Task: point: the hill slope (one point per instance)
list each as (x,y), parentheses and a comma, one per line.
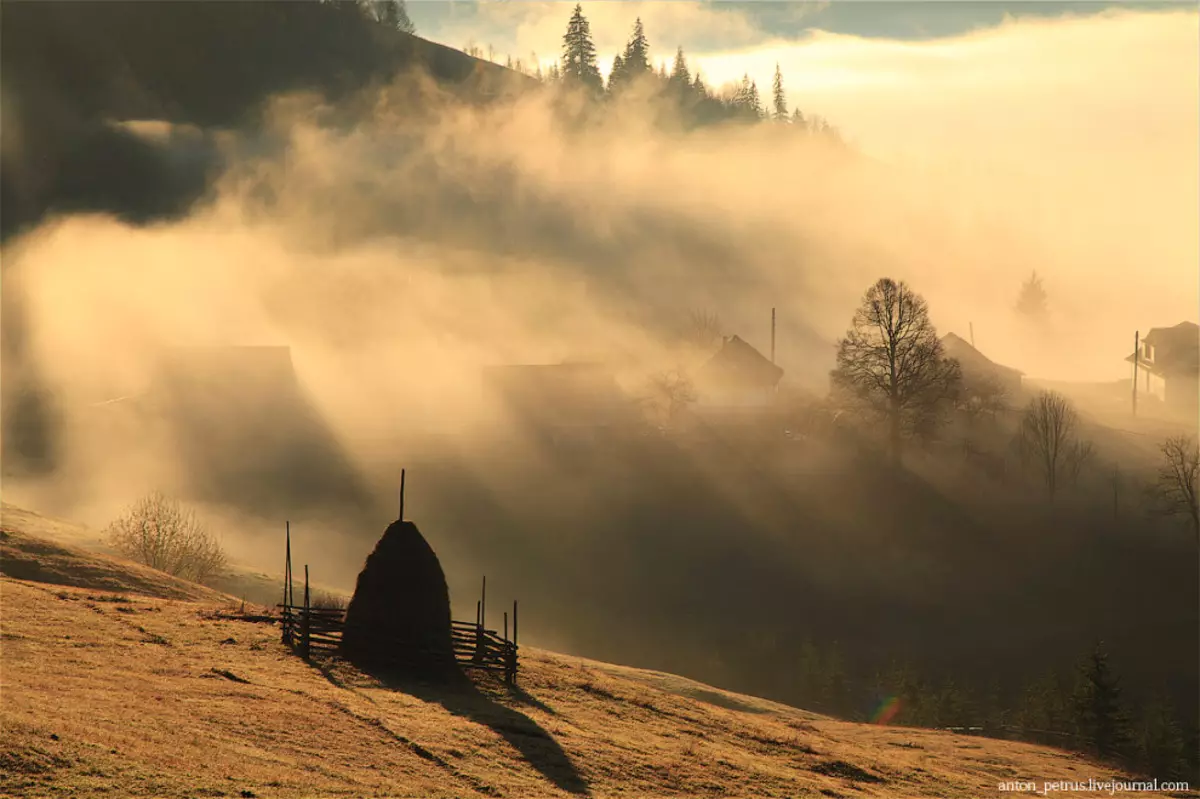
(107,693)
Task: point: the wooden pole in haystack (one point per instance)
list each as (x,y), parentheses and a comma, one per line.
(483,604)
(307,627)
(506,625)
(401,495)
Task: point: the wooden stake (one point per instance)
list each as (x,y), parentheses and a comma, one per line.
(506,625)
(1136,337)
(772,335)
(286,621)
(483,604)
(514,622)
(307,629)
(971,325)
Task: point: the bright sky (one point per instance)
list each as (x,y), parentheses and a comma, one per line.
(898,76)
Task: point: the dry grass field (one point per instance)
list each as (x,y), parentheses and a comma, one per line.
(118,685)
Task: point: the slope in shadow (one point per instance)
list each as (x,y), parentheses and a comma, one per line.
(463,698)
(538,747)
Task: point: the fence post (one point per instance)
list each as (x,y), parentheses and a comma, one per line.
(287,582)
(306,629)
(514,643)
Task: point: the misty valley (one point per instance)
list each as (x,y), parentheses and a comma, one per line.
(833,441)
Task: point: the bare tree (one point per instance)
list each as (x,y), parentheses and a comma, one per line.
(891,363)
(703,329)
(1048,440)
(1175,489)
(160,533)
(983,397)
(672,392)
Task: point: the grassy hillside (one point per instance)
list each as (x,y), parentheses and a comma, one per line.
(127,693)
(41,548)
(25,556)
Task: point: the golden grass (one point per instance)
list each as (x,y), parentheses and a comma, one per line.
(116,694)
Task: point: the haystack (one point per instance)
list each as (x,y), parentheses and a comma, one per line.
(399,618)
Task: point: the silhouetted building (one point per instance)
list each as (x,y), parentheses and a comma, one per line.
(565,400)
(245,432)
(737,376)
(1168,361)
(398,620)
(979,371)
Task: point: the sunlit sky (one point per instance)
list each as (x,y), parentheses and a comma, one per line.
(894,76)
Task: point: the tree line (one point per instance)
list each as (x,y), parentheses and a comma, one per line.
(633,74)
(1083,708)
(389,13)
(892,369)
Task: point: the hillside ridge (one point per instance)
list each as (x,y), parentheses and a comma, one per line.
(120,692)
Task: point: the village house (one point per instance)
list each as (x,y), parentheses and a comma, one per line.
(980,373)
(737,377)
(1167,366)
(572,400)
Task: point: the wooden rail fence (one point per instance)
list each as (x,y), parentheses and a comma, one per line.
(310,631)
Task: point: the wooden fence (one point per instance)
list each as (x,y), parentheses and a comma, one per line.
(313,631)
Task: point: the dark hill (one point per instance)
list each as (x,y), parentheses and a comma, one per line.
(70,66)
(70,70)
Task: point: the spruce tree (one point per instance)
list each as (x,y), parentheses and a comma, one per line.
(799,121)
(1099,718)
(637,52)
(679,70)
(778,96)
(579,54)
(617,76)
(1160,746)
(1031,302)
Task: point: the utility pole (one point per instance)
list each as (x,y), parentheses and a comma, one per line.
(1136,337)
(772,335)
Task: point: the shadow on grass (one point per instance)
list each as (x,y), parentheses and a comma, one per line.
(462,697)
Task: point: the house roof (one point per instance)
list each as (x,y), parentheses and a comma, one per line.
(558,389)
(971,359)
(739,364)
(1176,350)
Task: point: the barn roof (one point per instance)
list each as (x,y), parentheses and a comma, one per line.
(739,364)
(971,359)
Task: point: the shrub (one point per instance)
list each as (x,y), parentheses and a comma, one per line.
(327,600)
(160,533)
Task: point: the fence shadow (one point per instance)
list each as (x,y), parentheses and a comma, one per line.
(464,699)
